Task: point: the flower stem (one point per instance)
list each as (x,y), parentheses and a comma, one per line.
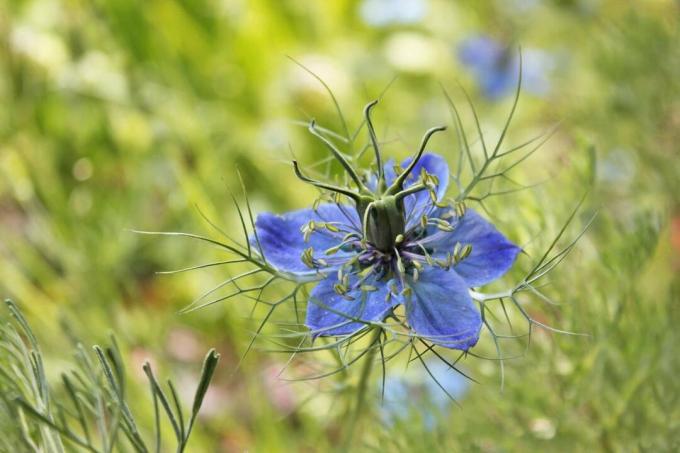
(362,386)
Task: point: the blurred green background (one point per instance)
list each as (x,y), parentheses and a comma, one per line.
(120,114)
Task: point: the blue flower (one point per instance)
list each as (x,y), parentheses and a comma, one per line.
(428,394)
(496,67)
(398,243)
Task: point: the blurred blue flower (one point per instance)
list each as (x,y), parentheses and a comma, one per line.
(417,389)
(399,244)
(496,67)
(380,13)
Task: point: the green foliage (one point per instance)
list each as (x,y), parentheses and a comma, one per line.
(92,412)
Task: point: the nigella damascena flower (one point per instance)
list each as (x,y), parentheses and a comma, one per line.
(398,242)
(496,67)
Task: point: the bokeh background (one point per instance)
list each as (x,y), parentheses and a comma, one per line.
(121,114)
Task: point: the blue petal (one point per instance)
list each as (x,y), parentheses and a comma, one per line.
(481,53)
(497,83)
(283,243)
(329,313)
(441,310)
(495,70)
(416,205)
(433,164)
(492,253)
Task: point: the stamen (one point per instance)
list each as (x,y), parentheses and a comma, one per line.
(307,229)
(331,227)
(400,264)
(342,290)
(336,249)
(428,258)
(308,258)
(460,208)
(442,225)
(464,253)
(439,204)
(368,288)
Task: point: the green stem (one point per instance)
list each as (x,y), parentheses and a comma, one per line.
(362,386)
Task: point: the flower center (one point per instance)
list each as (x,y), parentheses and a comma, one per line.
(384,222)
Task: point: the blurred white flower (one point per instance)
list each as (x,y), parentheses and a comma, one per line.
(43,48)
(98,74)
(332,74)
(412,52)
(543,428)
(380,13)
(617,168)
